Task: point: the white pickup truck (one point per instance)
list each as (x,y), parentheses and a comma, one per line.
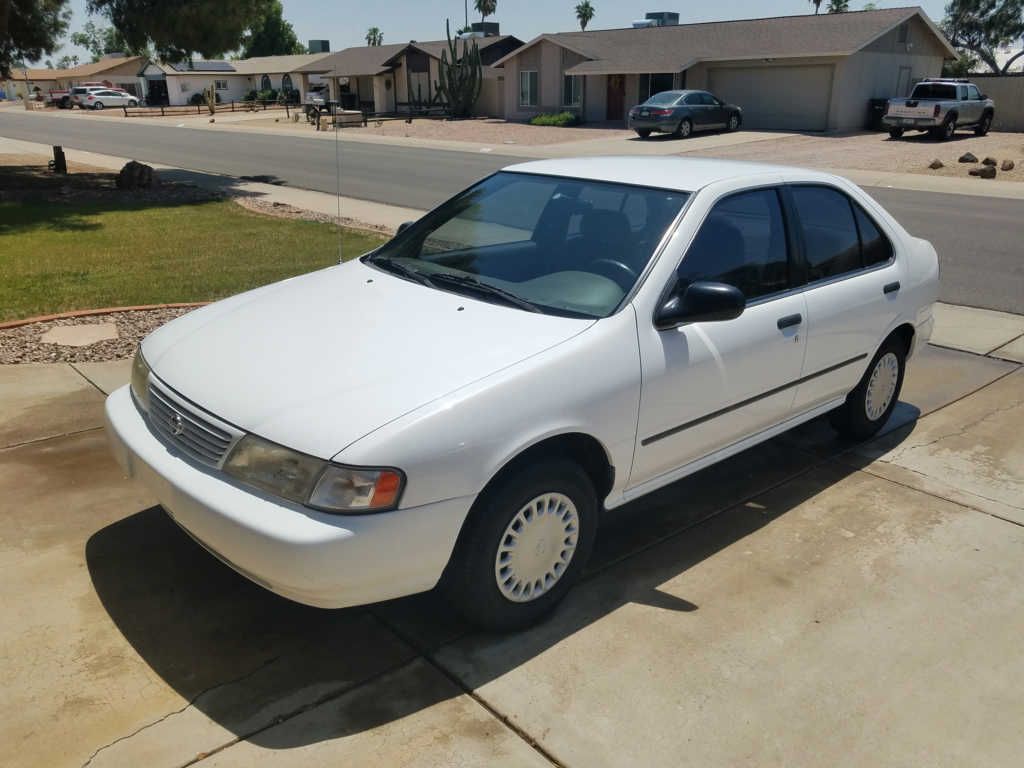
(940,106)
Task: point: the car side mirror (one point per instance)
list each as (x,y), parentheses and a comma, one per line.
(404,226)
(983,97)
(700,302)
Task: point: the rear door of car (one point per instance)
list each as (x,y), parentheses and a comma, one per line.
(852,286)
(707,385)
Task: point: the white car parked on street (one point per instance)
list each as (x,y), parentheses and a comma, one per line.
(458,406)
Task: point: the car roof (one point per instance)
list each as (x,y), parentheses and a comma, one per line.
(684,174)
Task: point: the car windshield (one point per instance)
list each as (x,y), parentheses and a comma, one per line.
(663,99)
(934,91)
(561,246)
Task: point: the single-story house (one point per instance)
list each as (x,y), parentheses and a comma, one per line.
(176,84)
(112,70)
(813,72)
(400,77)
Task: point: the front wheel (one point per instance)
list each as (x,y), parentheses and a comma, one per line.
(733,124)
(98,105)
(526,542)
(643,133)
(870,404)
(895,133)
(684,129)
(983,127)
(133,104)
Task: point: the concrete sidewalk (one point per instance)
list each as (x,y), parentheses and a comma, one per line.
(857,607)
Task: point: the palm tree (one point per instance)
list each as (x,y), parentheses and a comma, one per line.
(374,36)
(816,4)
(584,13)
(485,8)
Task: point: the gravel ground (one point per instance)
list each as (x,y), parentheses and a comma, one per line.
(877,152)
(285,211)
(22,345)
(477,131)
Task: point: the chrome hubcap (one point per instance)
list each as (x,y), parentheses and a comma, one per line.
(537,547)
(684,129)
(881,386)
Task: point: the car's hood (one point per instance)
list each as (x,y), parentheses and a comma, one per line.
(320,360)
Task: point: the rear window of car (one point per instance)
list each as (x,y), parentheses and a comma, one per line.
(665,99)
(934,91)
(78,90)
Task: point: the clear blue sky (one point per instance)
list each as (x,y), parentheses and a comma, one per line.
(345,22)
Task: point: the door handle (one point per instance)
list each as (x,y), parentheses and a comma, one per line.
(789,321)
(891,287)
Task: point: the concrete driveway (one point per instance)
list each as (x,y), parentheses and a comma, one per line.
(805,603)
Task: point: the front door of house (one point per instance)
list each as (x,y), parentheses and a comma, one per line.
(156,92)
(616,97)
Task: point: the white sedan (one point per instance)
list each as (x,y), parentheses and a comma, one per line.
(458,406)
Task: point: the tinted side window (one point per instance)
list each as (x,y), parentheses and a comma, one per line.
(831,245)
(875,247)
(692,99)
(742,243)
(708,99)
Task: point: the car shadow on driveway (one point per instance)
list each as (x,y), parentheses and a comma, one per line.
(282,675)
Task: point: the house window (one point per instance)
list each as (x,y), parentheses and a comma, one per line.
(528,89)
(184,86)
(265,83)
(220,85)
(572,90)
(286,83)
(903,33)
(652,84)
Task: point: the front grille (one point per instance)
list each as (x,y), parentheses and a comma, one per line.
(183,427)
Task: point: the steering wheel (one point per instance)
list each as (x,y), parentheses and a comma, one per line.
(621,273)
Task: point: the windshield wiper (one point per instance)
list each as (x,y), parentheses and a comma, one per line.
(486,288)
(400,269)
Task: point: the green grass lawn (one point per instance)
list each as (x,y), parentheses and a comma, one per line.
(56,257)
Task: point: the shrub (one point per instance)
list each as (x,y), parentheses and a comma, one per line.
(198,99)
(250,96)
(268,95)
(558,119)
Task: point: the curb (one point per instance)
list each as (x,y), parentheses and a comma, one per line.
(103,311)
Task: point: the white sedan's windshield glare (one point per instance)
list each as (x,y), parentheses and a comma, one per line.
(566,246)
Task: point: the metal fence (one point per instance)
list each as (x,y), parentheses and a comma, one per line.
(199,109)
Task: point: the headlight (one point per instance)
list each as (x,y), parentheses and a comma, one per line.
(140,379)
(312,481)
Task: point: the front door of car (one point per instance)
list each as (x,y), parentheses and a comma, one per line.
(716,111)
(707,385)
(696,110)
(852,292)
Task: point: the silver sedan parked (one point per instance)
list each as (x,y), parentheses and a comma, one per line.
(109,98)
(683,112)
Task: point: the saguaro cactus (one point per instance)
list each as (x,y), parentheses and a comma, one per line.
(461,75)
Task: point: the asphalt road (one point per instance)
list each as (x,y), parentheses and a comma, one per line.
(978,238)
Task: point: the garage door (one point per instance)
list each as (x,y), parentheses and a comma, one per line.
(781,98)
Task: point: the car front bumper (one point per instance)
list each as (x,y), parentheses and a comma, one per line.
(315,558)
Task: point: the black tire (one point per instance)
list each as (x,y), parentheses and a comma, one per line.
(684,130)
(851,419)
(98,105)
(643,133)
(471,581)
(945,131)
(133,104)
(983,127)
(895,133)
(733,123)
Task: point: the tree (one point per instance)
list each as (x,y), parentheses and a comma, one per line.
(177,29)
(29,30)
(838,6)
(962,67)
(870,7)
(485,8)
(982,26)
(374,36)
(99,41)
(584,13)
(817,5)
(67,62)
(271,35)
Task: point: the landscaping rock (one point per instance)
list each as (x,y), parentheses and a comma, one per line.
(967,157)
(135,175)
(936,164)
(989,161)
(1007,165)
(985,172)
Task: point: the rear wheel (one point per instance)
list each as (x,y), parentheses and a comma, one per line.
(895,133)
(946,131)
(870,404)
(983,126)
(525,544)
(684,129)
(643,133)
